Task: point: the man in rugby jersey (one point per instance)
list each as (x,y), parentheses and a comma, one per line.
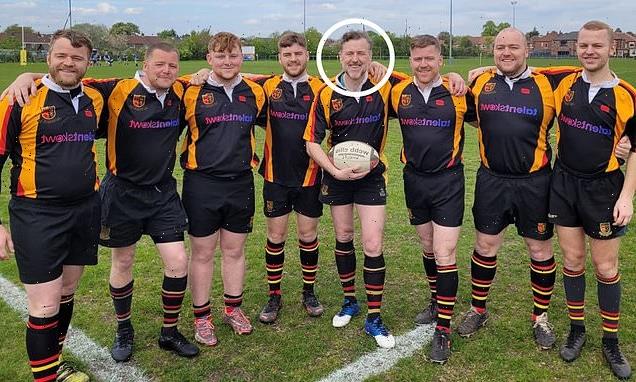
(218,186)
(515,108)
(54,208)
(432,129)
(589,195)
(139,194)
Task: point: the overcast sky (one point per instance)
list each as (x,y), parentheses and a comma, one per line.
(263,17)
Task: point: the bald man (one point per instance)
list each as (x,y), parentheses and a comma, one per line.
(515,109)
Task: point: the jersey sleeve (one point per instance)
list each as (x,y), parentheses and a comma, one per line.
(10,126)
(104,86)
(556,74)
(630,132)
(471,109)
(317,124)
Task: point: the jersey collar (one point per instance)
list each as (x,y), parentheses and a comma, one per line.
(161,97)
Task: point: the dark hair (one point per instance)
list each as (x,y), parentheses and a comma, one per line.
(355,35)
(77,39)
(163,46)
(289,38)
(422,41)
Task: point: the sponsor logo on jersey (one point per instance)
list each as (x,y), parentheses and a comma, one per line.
(605,108)
(439,102)
(525,91)
(88,113)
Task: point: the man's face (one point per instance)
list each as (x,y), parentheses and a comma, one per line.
(67,65)
(293,59)
(510,52)
(226,65)
(161,69)
(425,64)
(593,49)
(355,58)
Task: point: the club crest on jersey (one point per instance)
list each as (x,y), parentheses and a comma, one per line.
(48,112)
(541,228)
(207,99)
(138,100)
(569,96)
(336,104)
(277,94)
(605,229)
(489,87)
(405,100)
(270,206)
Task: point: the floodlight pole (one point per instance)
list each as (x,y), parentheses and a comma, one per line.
(70,15)
(450,44)
(513,3)
(304,16)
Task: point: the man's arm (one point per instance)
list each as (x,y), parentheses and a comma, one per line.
(22,88)
(624,207)
(10,128)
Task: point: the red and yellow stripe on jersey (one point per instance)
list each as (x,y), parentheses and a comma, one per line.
(220,139)
(51,146)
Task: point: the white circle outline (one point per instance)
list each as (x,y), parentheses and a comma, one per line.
(326,79)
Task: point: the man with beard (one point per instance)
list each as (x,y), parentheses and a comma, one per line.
(139,194)
(432,122)
(54,209)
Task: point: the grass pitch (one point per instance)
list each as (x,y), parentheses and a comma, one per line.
(300,348)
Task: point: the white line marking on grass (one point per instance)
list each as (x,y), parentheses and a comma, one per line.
(96,357)
(382,360)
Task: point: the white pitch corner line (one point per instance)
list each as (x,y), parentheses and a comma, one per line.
(382,360)
(97,358)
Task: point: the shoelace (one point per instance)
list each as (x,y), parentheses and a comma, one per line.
(615,354)
(379,325)
(311,300)
(240,317)
(573,337)
(272,304)
(204,327)
(125,337)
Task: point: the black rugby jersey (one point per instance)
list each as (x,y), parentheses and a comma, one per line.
(285,160)
(433,131)
(141,134)
(514,124)
(588,132)
(51,146)
(348,119)
(220,138)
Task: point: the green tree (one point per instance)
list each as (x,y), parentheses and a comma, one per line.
(194,46)
(128,29)
(98,34)
(491,29)
(313,37)
(533,33)
(168,34)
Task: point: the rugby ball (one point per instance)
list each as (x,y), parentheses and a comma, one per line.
(354,154)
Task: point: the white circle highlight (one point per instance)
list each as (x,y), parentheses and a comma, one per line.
(329,32)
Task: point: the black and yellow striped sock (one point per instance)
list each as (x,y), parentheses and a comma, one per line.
(609,302)
(309,262)
(122,301)
(430,270)
(447,283)
(274,260)
(574,285)
(346,265)
(374,274)
(172,292)
(43,347)
(66,312)
(482,272)
(542,278)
